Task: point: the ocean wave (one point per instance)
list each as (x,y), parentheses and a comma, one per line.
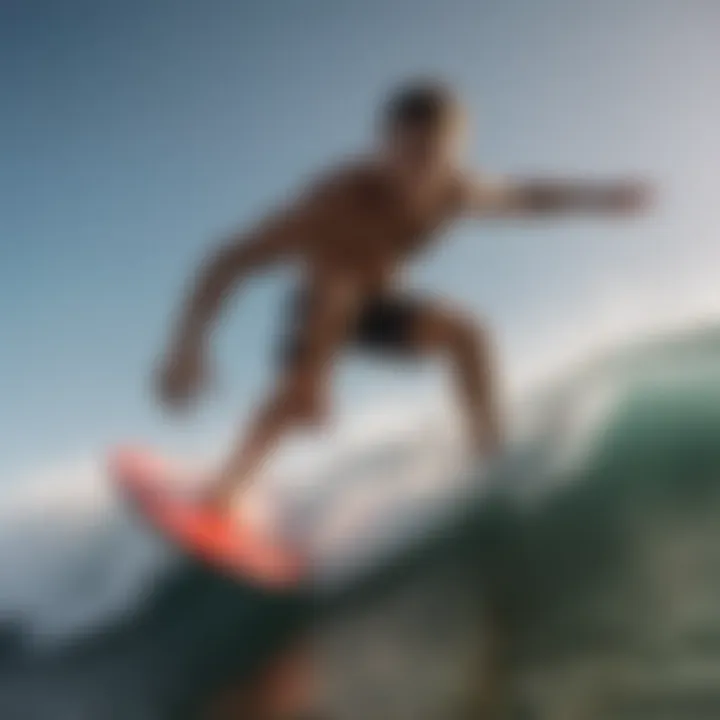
(599,526)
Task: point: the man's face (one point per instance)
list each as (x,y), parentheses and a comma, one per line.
(422,148)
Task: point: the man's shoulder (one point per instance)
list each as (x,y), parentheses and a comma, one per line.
(348,178)
(477,189)
(469,180)
(336,189)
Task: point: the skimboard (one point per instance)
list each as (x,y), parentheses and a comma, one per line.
(150,483)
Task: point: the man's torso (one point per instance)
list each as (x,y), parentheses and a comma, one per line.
(376,224)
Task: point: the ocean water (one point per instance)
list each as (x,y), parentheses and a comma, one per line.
(600,547)
(595,539)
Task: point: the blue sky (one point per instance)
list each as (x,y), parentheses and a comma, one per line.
(134,134)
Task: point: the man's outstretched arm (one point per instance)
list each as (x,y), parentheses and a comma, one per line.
(538,197)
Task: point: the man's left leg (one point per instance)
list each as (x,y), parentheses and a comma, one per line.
(466,343)
(407,325)
(443,330)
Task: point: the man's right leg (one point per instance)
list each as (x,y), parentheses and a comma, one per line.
(282,412)
(438,328)
(300,397)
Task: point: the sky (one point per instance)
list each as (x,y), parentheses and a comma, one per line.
(134,135)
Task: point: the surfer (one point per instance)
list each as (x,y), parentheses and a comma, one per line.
(350,234)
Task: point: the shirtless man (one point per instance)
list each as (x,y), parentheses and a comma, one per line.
(350,234)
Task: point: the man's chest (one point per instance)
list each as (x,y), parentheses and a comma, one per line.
(394,224)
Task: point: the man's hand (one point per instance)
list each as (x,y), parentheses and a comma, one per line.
(628,198)
(180,376)
(620,197)
(529,198)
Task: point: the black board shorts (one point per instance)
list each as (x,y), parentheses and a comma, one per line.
(385,324)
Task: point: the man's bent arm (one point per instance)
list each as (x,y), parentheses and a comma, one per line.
(287,235)
(226,267)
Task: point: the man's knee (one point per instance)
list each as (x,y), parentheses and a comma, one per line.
(470,337)
(304,400)
(461,335)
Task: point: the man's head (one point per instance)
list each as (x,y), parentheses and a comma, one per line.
(423,126)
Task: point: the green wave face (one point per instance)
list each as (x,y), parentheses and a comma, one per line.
(623,618)
(601,548)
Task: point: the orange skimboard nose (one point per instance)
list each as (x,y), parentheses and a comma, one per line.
(217,539)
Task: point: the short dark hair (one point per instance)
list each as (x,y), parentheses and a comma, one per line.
(421,103)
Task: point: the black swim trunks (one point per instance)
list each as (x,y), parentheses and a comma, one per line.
(385,324)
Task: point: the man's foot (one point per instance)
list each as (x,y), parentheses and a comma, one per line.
(243,511)
(487,444)
(217,501)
